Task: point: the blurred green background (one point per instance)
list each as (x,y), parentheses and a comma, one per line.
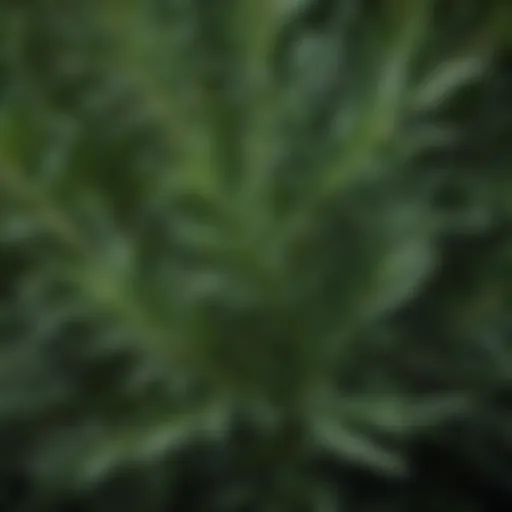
(255,255)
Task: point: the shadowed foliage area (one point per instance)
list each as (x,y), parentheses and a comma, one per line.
(255,255)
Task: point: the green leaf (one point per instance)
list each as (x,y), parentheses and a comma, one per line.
(355,448)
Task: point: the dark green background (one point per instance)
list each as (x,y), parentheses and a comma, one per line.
(255,255)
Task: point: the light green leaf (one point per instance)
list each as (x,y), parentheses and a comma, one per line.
(446,80)
(355,448)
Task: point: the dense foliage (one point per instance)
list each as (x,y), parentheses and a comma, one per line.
(255,255)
